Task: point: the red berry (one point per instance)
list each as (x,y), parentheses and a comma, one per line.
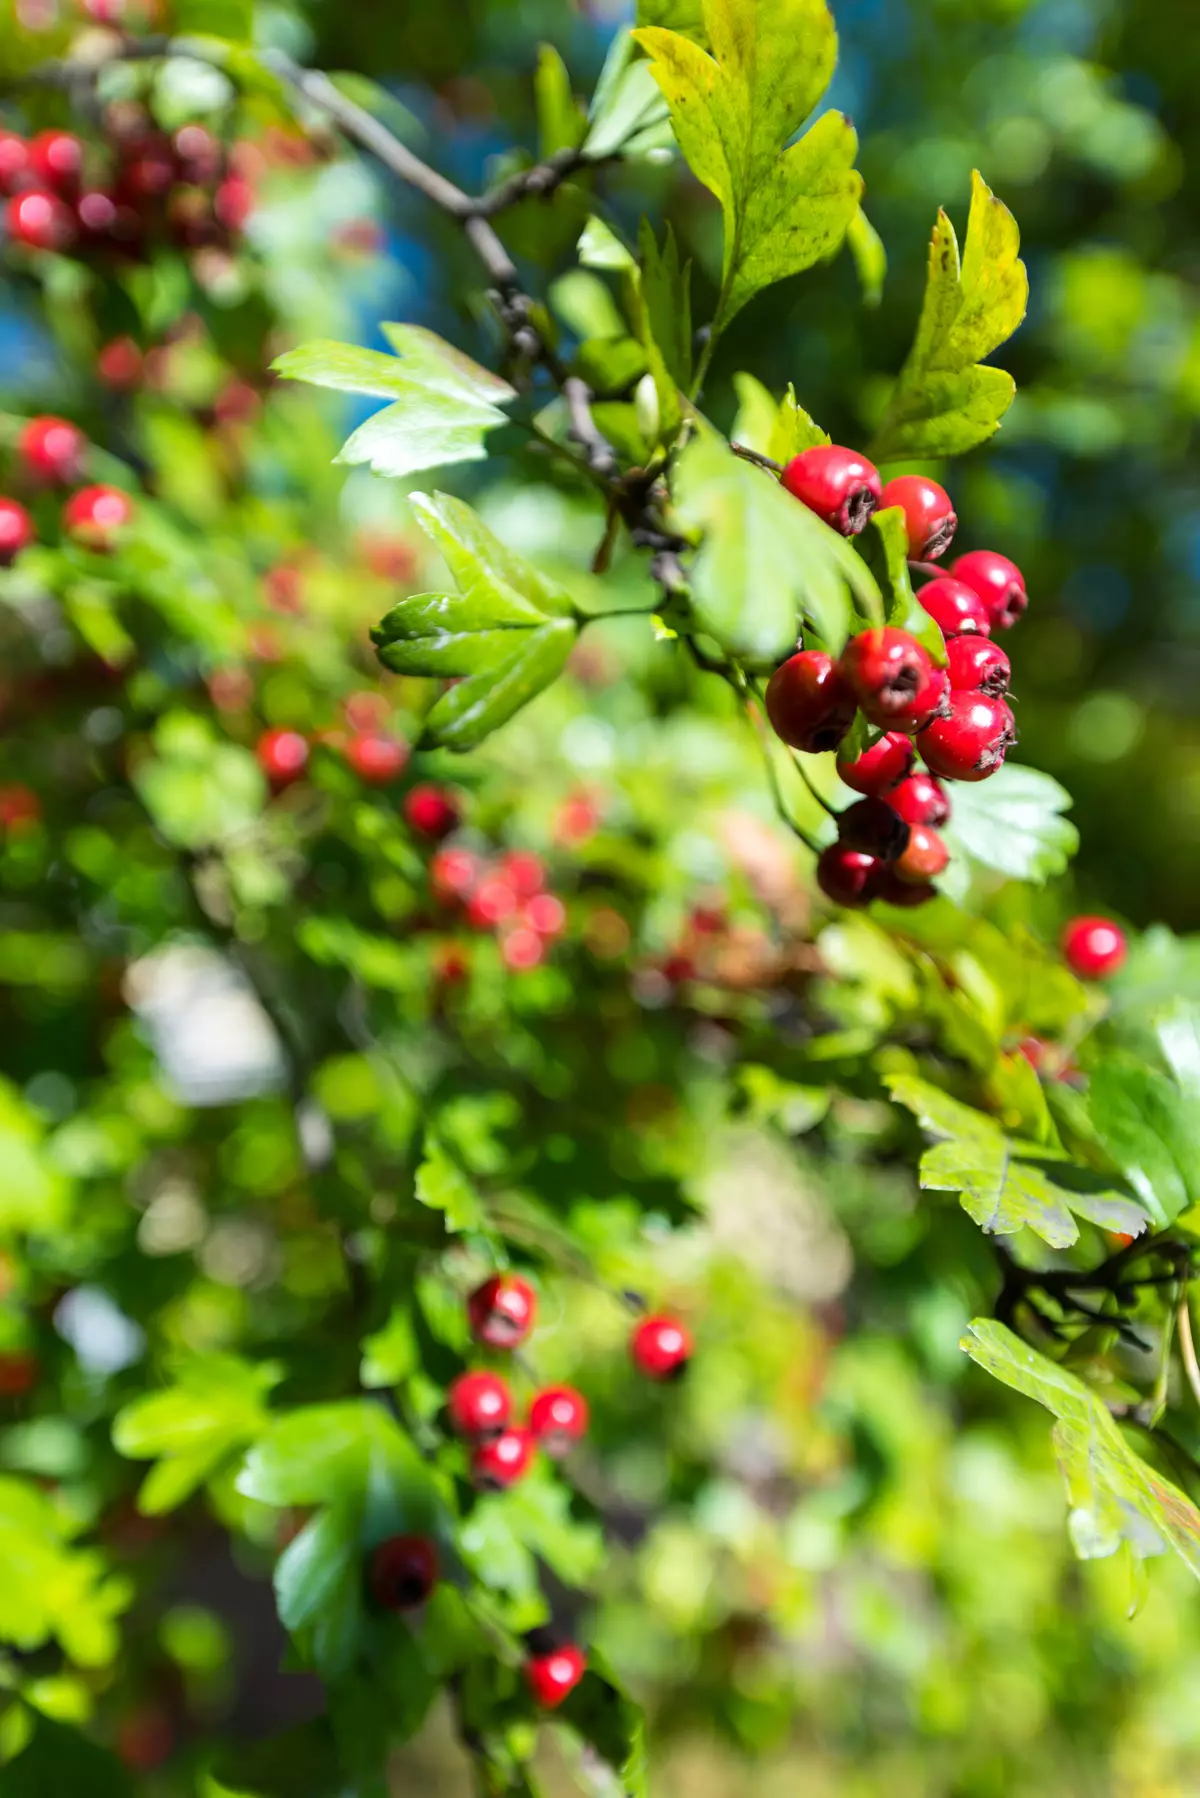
(558,1418)
(522,948)
(546,914)
(199,154)
(928,514)
(888,670)
(972,742)
(431,810)
(404,1571)
(924,857)
(552,1677)
(94,515)
(282,755)
(837,484)
(119,364)
(661,1347)
(523,871)
(881,767)
(479,1404)
(19,1373)
(847,876)
(908,893)
(933,701)
(233,202)
(503,1460)
(920,800)
(16,530)
(454,873)
(955,606)
(501,1311)
(492,902)
(105,220)
(20,807)
(56,161)
(149,175)
(871,827)
(998,582)
(14,162)
(976,665)
(52,450)
(810,704)
(1094,947)
(40,220)
(377,759)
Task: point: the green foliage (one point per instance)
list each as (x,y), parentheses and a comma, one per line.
(54,1591)
(1013,823)
(193,1428)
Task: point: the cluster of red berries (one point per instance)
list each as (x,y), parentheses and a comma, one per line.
(50,453)
(141,184)
(507,895)
(957,717)
(375,756)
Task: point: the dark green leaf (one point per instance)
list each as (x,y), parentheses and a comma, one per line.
(667,306)
(1149,1128)
(561,120)
(870,257)
(60,1763)
(299,1763)
(443,1186)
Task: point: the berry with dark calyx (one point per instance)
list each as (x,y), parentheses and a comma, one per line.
(972,741)
(881,767)
(95,515)
(933,701)
(928,515)
(1094,947)
(924,858)
(888,669)
(501,1312)
(56,161)
(16,530)
(837,484)
(403,1573)
(14,162)
(998,582)
(955,607)
(661,1347)
(976,665)
(810,704)
(892,890)
(503,1460)
(920,800)
(282,756)
(872,828)
(377,758)
(847,876)
(40,220)
(479,1405)
(558,1418)
(431,810)
(554,1676)
(51,450)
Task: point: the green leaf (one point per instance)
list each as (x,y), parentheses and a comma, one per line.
(734,111)
(60,1763)
(502,638)
(781,430)
(318,1585)
(51,1589)
(561,120)
(1013,822)
(870,257)
(232,19)
(1149,1128)
(600,247)
(884,546)
(676,15)
(666,314)
(302,1762)
(34,1196)
(1114,1496)
(443,403)
(944,402)
(628,113)
(443,1186)
(216,1406)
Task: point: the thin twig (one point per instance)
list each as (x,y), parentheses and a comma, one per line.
(749,455)
(538,182)
(598,450)
(1187,1346)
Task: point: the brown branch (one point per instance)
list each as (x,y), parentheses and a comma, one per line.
(748,455)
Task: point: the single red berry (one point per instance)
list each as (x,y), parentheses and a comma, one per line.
(892,890)
(403,1572)
(433,811)
(56,161)
(924,857)
(888,670)
(928,514)
(932,701)
(14,162)
(19,1373)
(492,902)
(145,1739)
(558,1418)
(95,515)
(553,1677)
(16,530)
(661,1347)
(522,948)
(40,220)
(501,1312)
(502,1461)
(920,800)
(454,873)
(837,484)
(871,827)
(119,364)
(106,220)
(976,665)
(51,450)
(998,582)
(847,876)
(150,173)
(1094,947)
(972,742)
(377,758)
(523,871)
(546,914)
(479,1404)
(233,202)
(1034,1051)
(20,807)
(810,703)
(199,154)
(956,607)
(881,767)
(282,756)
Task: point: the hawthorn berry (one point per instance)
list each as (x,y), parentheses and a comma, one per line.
(51,450)
(523,871)
(1094,947)
(479,1405)
(893,890)
(972,741)
(847,876)
(431,810)
(19,1373)
(503,1460)
(94,515)
(976,665)
(932,701)
(492,902)
(501,1312)
(377,758)
(924,856)
(998,582)
(928,514)
(40,220)
(661,1347)
(871,827)
(522,948)
(233,202)
(955,607)
(119,364)
(282,756)
(199,154)
(546,914)
(403,1572)
(810,704)
(16,530)
(920,799)
(558,1418)
(56,161)
(881,767)
(554,1676)
(20,807)
(888,670)
(454,873)
(837,484)
(14,162)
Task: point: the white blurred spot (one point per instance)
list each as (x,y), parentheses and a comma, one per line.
(213,1040)
(104,1339)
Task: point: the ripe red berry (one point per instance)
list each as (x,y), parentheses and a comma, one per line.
(552,1677)
(888,670)
(523,872)
(932,701)
(976,665)
(871,827)
(56,161)
(847,876)
(1094,947)
(403,1572)
(119,364)
(199,154)
(924,857)
(809,702)
(479,1405)
(881,767)
(501,1311)
(920,800)
(20,809)
(14,162)
(661,1347)
(546,914)
(95,515)
(282,755)
(51,450)
(892,890)
(454,873)
(558,1418)
(837,484)
(522,948)
(928,514)
(433,811)
(956,607)
(19,1373)
(16,530)
(998,582)
(492,902)
(502,1461)
(377,758)
(233,202)
(40,220)
(105,220)
(972,742)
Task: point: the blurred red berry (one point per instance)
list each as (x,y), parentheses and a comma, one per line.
(431,810)
(454,873)
(553,1677)
(522,948)
(558,1418)
(920,799)
(479,1405)
(56,161)
(20,807)
(16,530)
(924,856)
(523,871)
(847,876)
(40,220)
(14,162)
(51,450)
(501,1312)
(1094,947)
(119,364)
(403,1572)
(376,758)
(881,767)
(546,914)
(503,1460)
(282,755)
(19,1373)
(661,1347)
(95,515)
(233,202)
(231,689)
(145,1739)
(492,902)
(577,820)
